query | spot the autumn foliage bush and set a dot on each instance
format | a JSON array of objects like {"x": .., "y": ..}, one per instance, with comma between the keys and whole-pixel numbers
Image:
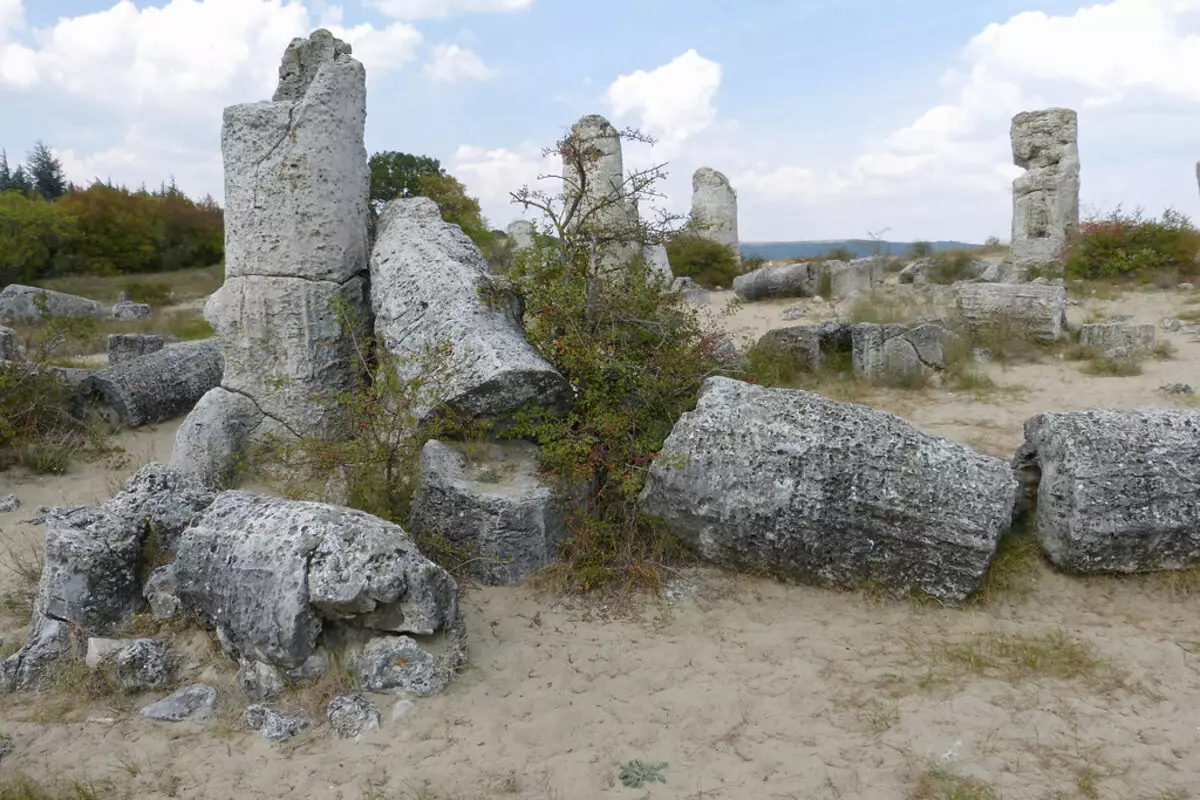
[{"x": 1129, "y": 245}]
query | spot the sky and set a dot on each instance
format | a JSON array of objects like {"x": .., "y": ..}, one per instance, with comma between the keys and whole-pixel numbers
[{"x": 832, "y": 118}]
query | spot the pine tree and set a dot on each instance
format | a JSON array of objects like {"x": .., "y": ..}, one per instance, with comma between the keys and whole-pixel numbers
[
  {"x": 20, "y": 181},
  {"x": 46, "y": 172},
  {"x": 5, "y": 174}
]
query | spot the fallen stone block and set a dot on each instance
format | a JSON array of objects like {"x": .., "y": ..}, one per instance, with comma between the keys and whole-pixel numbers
[
  {"x": 802, "y": 279},
  {"x": 851, "y": 278},
  {"x": 827, "y": 492},
  {"x": 496, "y": 509},
  {"x": 882, "y": 352},
  {"x": 431, "y": 286},
  {"x": 124, "y": 347},
  {"x": 1118, "y": 340},
  {"x": 812, "y": 346},
  {"x": 1036, "y": 312},
  {"x": 127, "y": 310},
  {"x": 153, "y": 388},
  {"x": 1116, "y": 490},
  {"x": 21, "y": 304}
]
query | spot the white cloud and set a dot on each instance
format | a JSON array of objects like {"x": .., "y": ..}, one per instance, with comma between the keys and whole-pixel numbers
[
  {"x": 491, "y": 174},
  {"x": 144, "y": 158},
  {"x": 452, "y": 63},
  {"x": 410, "y": 10},
  {"x": 673, "y": 102}
]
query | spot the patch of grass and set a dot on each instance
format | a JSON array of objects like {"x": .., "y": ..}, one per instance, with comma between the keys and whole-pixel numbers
[
  {"x": 951, "y": 267},
  {"x": 1013, "y": 569},
  {"x": 1112, "y": 367},
  {"x": 23, "y": 787},
  {"x": 47, "y": 457},
  {"x": 183, "y": 285},
  {"x": 1011, "y": 657},
  {"x": 25, "y": 565},
  {"x": 886, "y": 308},
  {"x": 938, "y": 783},
  {"x": 188, "y": 327},
  {"x": 1190, "y": 315},
  {"x": 1164, "y": 350},
  {"x": 636, "y": 773},
  {"x": 313, "y": 697}
]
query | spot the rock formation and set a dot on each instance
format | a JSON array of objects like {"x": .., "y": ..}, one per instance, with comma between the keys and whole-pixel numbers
[
  {"x": 432, "y": 286},
  {"x": 846, "y": 279},
  {"x": 1116, "y": 490},
  {"x": 521, "y": 232},
  {"x": 296, "y": 192},
  {"x": 594, "y": 175},
  {"x": 1032, "y": 311},
  {"x": 714, "y": 208},
  {"x": 9, "y": 344},
  {"x": 888, "y": 352},
  {"x": 21, "y": 304},
  {"x": 829, "y": 492},
  {"x": 783, "y": 280},
  {"x": 152, "y": 388},
  {"x": 1118, "y": 339},
  {"x": 124, "y": 347},
  {"x": 1046, "y": 197}
]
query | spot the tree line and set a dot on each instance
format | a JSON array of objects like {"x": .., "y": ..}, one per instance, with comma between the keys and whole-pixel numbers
[{"x": 49, "y": 226}]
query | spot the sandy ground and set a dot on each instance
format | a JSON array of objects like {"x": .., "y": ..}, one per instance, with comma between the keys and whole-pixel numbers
[{"x": 744, "y": 687}]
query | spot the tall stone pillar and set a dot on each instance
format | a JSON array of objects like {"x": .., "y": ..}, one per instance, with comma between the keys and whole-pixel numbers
[
  {"x": 1046, "y": 197},
  {"x": 714, "y": 208}
]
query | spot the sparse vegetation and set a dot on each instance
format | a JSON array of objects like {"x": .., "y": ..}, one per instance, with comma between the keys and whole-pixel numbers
[
  {"x": 1106, "y": 367},
  {"x": 938, "y": 783},
  {"x": 951, "y": 267},
  {"x": 1012, "y": 657},
  {"x": 1128, "y": 245},
  {"x": 709, "y": 263}
]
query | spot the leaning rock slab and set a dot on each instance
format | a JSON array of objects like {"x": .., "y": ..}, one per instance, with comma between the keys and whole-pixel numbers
[
  {"x": 1032, "y": 311},
  {"x": 20, "y": 304},
  {"x": 497, "y": 509},
  {"x": 1118, "y": 339},
  {"x": 266, "y": 572},
  {"x": 430, "y": 286},
  {"x": 153, "y": 388},
  {"x": 802, "y": 279},
  {"x": 1117, "y": 490},
  {"x": 829, "y": 492}
]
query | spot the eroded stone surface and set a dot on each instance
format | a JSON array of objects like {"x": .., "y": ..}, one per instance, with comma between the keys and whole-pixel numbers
[
  {"x": 1119, "y": 340},
  {"x": 21, "y": 304},
  {"x": 1046, "y": 196},
  {"x": 714, "y": 208},
  {"x": 124, "y": 347},
  {"x": 154, "y": 387},
  {"x": 802, "y": 279},
  {"x": 1032, "y": 311}
]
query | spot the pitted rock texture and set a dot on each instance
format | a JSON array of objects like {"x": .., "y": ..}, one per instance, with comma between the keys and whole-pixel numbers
[
  {"x": 432, "y": 286},
  {"x": 267, "y": 573},
  {"x": 208, "y": 443},
  {"x": 714, "y": 208},
  {"x": 1119, "y": 339},
  {"x": 154, "y": 387},
  {"x": 1046, "y": 197},
  {"x": 891, "y": 351},
  {"x": 827, "y": 492},
  {"x": 1032, "y": 311},
  {"x": 1116, "y": 490},
  {"x": 21, "y": 304},
  {"x": 124, "y": 347},
  {"x": 802, "y": 279}
]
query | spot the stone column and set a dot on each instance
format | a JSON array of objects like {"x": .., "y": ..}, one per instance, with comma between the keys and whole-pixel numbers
[
  {"x": 296, "y": 191},
  {"x": 714, "y": 208},
  {"x": 1046, "y": 197},
  {"x": 602, "y": 183}
]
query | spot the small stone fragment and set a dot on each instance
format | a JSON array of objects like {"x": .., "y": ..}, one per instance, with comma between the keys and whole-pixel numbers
[
  {"x": 9, "y": 504},
  {"x": 398, "y": 662},
  {"x": 272, "y": 724},
  {"x": 196, "y": 702},
  {"x": 351, "y": 715},
  {"x": 260, "y": 681}
]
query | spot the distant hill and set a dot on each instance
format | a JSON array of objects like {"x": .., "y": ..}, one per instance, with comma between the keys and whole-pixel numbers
[{"x": 778, "y": 251}]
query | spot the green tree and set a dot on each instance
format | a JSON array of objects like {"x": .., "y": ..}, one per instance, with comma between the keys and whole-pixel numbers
[
  {"x": 709, "y": 263},
  {"x": 46, "y": 172},
  {"x": 395, "y": 175},
  {"x": 5, "y": 172},
  {"x": 35, "y": 236},
  {"x": 20, "y": 182}
]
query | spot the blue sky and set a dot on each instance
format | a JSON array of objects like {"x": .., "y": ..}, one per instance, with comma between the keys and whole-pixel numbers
[{"x": 832, "y": 118}]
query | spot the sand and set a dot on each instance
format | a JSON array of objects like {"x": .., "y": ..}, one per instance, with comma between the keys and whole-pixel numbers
[{"x": 744, "y": 687}]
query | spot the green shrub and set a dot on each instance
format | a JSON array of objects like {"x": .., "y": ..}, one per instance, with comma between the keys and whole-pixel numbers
[
  {"x": 708, "y": 263},
  {"x": 951, "y": 267},
  {"x": 839, "y": 254},
  {"x": 152, "y": 293},
  {"x": 1128, "y": 245}
]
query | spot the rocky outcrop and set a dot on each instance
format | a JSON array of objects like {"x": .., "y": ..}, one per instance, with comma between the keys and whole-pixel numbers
[
  {"x": 1118, "y": 339},
  {"x": 848, "y": 279},
  {"x": 802, "y": 279},
  {"x": 496, "y": 509},
  {"x": 1046, "y": 196},
  {"x": 433, "y": 287},
  {"x": 1115, "y": 490},
  {"x": 269, "y": 574},
  {"x": 124, "y": 309},
  {"x": 26, "y": 304},
  {"x": 153, "y": 388},
  {"x": 714, "y": 208},
  {"x": 1031, "y": 311},
  {"x": 888, "y": 352},
  {"x": 810, "y": 347},
  {"x": 296, "y": 222},
  {"x": 124, "y": 347},
  {"x": 803, "y": 486}
]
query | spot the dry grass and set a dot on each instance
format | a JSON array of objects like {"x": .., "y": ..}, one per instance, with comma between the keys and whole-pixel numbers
[
  {"x": 25, "y": 565},
  {"x": 183, "y": 284},
  {"x": 1014, "y": 569},
  {"x": 939, "y": 783},
  {"x": 313, "y": 697},
  {"x": 20, "y": 786},
  {"x": 184, "y": 325},
  {"x": 1011, "y": 657},
  {"x": 1112, "y": 367}
]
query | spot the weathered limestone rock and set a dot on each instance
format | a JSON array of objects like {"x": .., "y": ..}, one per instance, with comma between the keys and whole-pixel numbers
[
  {"x": 161, "y": 593},
  {"x": 31, "y": 667},
  {"x": 1118, "y": 340},
  {"x": 134, "y": 665},
  {"x": 1116, "y": 490},
  {"x": 127, "y": 310},
  {"x": 124, "y": 347},
  {"x": 9, "y": 344},
  {"x": 655, "y": 256},
  {"x": 20, "y": 304},
  {"x": 273, "y": 725},
  {"x": 153, "y": 388},
  {"x": 714, "y": 208},
  {"x": 260, "y": 681},
  {"x": 266, "y": 573},
  {"x": 810, "y": 346},
  {"x": 160, "y": 501},
  {"x": 497, "y": 509},
  {"x": 302, "y": 60},
  {"x": 208, "y": 442},
  {"x": 432, "y": 286},
  {"x": 693, "y": 293},
  {"x": 850, "y": 278},
  {"x": 600, "y": 187},
  {"x": 352, "y": 715},
  {"x": 285, "y": 346},
  {"x": 829, "y": 492},
  {"x": 399, "y": 662},
  {"x": 9, "y": 503},
  {"x": 881, "y": 352},
  {"x": 1046, "y": 197},
  {"x": 196, "y": 702},
  {"x": 1022, "y": 309},
  {"x": 521, "y": 232},
  {"x": 802, "y": 279},
  {"x": 925, "y": 271}
]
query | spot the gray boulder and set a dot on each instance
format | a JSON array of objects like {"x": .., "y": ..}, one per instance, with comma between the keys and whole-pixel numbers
[
  {"x": 160, "y": 501},
  {"x": 9, "y": 344},
  {"x": 266, "y": 572},
  {"x": 811, "y": 347},
  {"x": 786, "y": 280},
  {"x": 196, "y": 702},
  {"x": 851, "y": 278},
  {"x": 693, "y": 293},
  {"x": 399, "y": 662},
  {"x": 153, "y": 388},
  {"x": 127, "y": 310},
  {"x": 9, "y": 503},
  {"x": 430, "y": 286},
  {"x": 32, "y": 667},
  {"x": 882, "y": 352},
  {"x": 827, "y": 492},
  {"x": 161, "y": 593},
  {"x": 124, "y": 347},
  {"x": 209, "y": 442},
  {"x": 273, "y": 725},
  {"x": 1116, "y": 490},
  {"x": 1118, "y": 340},
  {"x": 260, "y": 681},
  {"x": 352, "y": 715},
  {"x": 139, "y": 665},
  {"x": 1036, "y": 312},
  {"x": 497, "y": 509},
  {"x": 20, "y": 304}
]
